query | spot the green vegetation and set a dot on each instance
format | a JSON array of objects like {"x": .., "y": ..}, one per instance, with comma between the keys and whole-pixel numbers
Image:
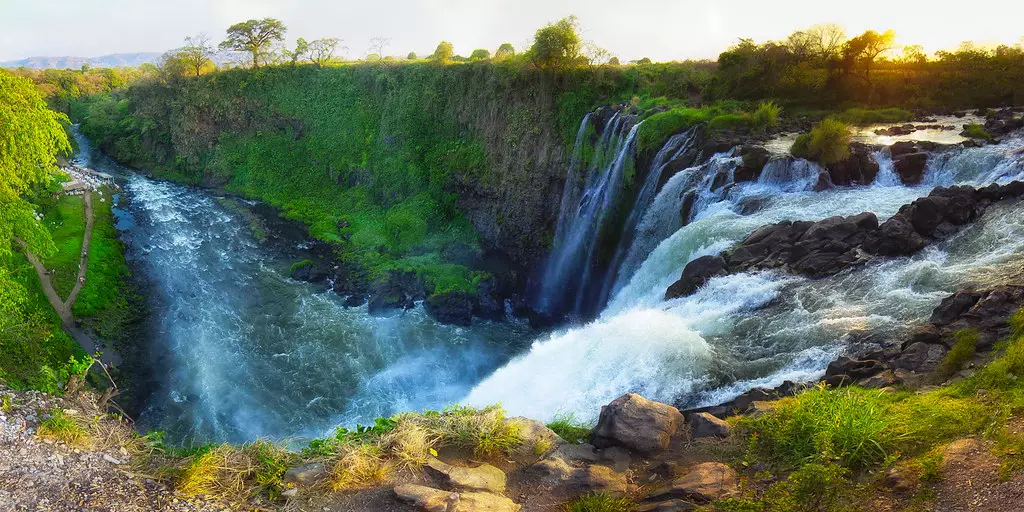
[
  {"x": 976, "y": 131},
  {"x": 862, "y": 116},
  {"x": 600, "y": 502},
  {"x": 963, "y": 350},
  {"x": 65, "y": 221},
  {"x": 828, "y": 142},
  {"x": 300, "y": 265},
  {"x": 570, "y": 429},
  {"x": 63, "y": 427}
]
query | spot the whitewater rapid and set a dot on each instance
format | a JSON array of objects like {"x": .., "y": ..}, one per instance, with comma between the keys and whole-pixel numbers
[{"x": 757, "y": 329}]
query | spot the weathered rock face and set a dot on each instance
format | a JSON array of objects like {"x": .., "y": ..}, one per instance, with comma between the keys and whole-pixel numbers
[
  {"x": 823, "y": 248},
  {"x": 453, "y": 307},
  {"x": 434, "y": 500},
  {"x": 702, "y": 483},
  {"x": 859, "y": 169},
  {"x": 397, "y": 290},
  {"x": 633, "y": 422},
  {"x": 484, "y": 477},
  {"x": 754, "y": 160},
  {"x": 706, "y": 425}
]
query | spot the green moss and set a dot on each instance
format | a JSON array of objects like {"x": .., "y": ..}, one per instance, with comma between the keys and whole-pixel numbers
[{"x": 299, "y": 265}]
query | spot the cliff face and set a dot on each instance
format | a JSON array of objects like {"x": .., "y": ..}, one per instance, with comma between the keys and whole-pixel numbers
[{"x": 390, "y": 161}]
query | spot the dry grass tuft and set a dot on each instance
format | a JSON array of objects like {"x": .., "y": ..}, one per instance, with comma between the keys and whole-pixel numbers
[
  {"x": 234, "y": 472},
  {"x": 64, "y": 427},
  {"x": 410, "y": 443},
  {"x": 360, "y": 465}
]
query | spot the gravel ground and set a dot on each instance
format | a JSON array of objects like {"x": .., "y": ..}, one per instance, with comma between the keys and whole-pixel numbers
[{"x": 45, "y": 474}]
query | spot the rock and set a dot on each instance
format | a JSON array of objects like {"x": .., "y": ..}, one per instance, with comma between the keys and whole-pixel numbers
[
  {"x": 895, "y": 237},
  {"x": 860, "y": 168},
  {"x": 952, "y": 307},
  {"x": 484, "y": 477},
  {"x": 666, "y": 506},
  {"x": 706, "y": 425},
  {"x": 597, "y": 479},
  {"x": 881, "y": 380},
  {"x": 921, "y": 357},
  {"x": 704, "y": 483},
  {"x": 910, "y": 167},
  {"x": 900, "y": 479},
  {"x": 453, "y": 307},
  {"x": 306, "y": 474},
  {"x": 434, "y": 500},
  {"x": 696, "y": 274},
  {"x": 754, "y": 158},
  {"x": 551, "y": 470},
  {"x": 847, "y": 370},
  {"x": 396, "y": 290},
  {"x": 538, "y": 440},
  {"x": 290, "y": 492},
  {"x": 577, "y": 452},
  {"x": 686, "y": 206},
  {"x": 636, "y": 423}
]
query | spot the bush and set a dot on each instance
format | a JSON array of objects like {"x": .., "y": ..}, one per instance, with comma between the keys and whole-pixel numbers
[
  {"x": 599, "y": 502},
  {"x": 813, "y": 488},
  {"x": 485, "y": 431},
  {"x": 828, "y": 142},
  {"x": 801, "y": 147},
  {"x": 976, "y": 131},
  {"x": 63, "y": 427},
  {"x": 570, "y": 429},
  {"x": 765, "y": 117}
]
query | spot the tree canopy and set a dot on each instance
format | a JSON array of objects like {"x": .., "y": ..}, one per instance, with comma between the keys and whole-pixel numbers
[
  {"x": 256, "y": 37},
  {"x": 31, "y": 136},
  {"x": 444, "y": 52},
  {"x": 557, "y": 45}
]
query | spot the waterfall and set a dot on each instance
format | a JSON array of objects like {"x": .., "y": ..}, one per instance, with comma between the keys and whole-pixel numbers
[
  {"x": 674, "y": 149},
  {"x": 757, "y": 328},
  {"x": 566, "y": 283},
  {"x": 887, "y": 176}
]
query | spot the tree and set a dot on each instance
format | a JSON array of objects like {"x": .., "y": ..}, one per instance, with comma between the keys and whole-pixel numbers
[
  {"x": 557, "y": 45},
  {"x": 322, "y": 50},
  {"x": 443, "y": 53},
  {"x": 614, "y": 61},
  {"x": 595, "y": 55},
  {"x": 377, "y": 46},
  {"x": 300, "y": 51},
  {"x": 173, "y": 64},
  {"x": 31, "y": 136},
  {"x": 827, "y": 40},
  {"x": 914, "y": 54},
  {"x": 864, "y": 49},
  {"x": 505, "y": 51},
  {"x": 411, "y": 56},
  {"x": 196, "y": 53},
  {"x": 256, "y": 37},
  {"x": 480, "y": 54}
]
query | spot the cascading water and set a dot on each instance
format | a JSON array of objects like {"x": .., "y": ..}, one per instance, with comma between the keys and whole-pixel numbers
[
  {"x": 241, "y": 351},
  {"x": 568, "y": 284},
  {"x": 757, "y": 329}
]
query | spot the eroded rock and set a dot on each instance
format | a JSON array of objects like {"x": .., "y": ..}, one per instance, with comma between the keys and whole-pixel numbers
[
  {"x": 636, "y": 423},
  {"x": 706, "y": 425},
  {"x": 704, "y": 483}
]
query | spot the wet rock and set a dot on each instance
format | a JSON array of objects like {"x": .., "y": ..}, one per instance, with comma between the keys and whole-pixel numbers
[
  {"x": 910, "y": 167},
  {"x": 703, "y": 483},
  {"x": 306, "y": 474},
  {"x": 453, "y": 307},
  {"x": 754, "y": 158},
  {"x": 921, "y": 357},
  {"x": 706, "y": 425},
  {"x": 696, "y": 274},
  {"x": 396, "y": 290},
  {"x": 895, "y": 237},
  {"x": 633, "y": 422},
  {"x": 953, "y": 307},
  {"x": 852, "y": 369},
  {"x": 860, "y": 168},
  {"x": 686, "y": 206},
  {"x": 484, "y": 477}
]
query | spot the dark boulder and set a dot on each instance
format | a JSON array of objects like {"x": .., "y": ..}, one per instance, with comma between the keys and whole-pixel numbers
[
  {"x": 860, "y": 168},
  {"x": 396, "y": 290},
  {"x": 754, "y": 160},
  {"x": 454, "y": 307},
  {"x": 846, "y": 370},
  {"x": 696, "y": 274},
  {"x": 921, "y": 357},
  {"x": 910, "y": 167},
  {"x": 895, "y": 237},
  {"x": 952, "y": 307}
]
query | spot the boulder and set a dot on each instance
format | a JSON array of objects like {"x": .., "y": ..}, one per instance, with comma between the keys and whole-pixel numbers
[
  {"x": 954, "y": 306},
  {"x": 305, "y": 474},
  {"x": 434, "y": 500},
  {"x": 754, "y": 158},
  {"x": 880, "y": 380},
  {"x": 703, "y": 483},
  {"x": 396, "y": 290},
  {"x": 895, "y": 237},
  {"x": 484, "y": 477},
  {"x": 921, "y": 357},
  {"x": 597, "y": 479},
  {"x": 633, "y": 422},
  {"x": 853, "y": 369},
  {"x": 706, "y": 425},
  {"x": 696, "y": 274},
  {"x": 551, "y": 470},
  {"x": 910, "y": 167},
  {"x": 538, "y": 440},
  {"x": 860, "y": 168},
  {"x": 453, "y": 307}
]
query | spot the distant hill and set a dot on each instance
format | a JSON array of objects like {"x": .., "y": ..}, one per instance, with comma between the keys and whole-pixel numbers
[{"x": 115, "y": 60}]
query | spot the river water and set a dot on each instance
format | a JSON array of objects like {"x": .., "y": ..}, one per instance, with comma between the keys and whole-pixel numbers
[{"x": 243, "y": 351}]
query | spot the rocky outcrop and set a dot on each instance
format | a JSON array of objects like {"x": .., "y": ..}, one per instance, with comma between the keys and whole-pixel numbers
[
  {"x": 484, "y": 477},
  {"x": 396, "y": 290},
  {"x": 860, "y": 168},
  {"x": 434, "y": 500},
  {"x": 703, "y": 483},
  {"x": 706, "y": 425},
  {"x": 633, "y": 422},
  {"x": 825, "y": 247},
  {"x": 453, "y": 307}
]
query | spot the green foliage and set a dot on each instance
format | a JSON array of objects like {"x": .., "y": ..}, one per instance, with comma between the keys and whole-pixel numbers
[
  {"x": 765, "y": 117},
  {"x": 801, "y": 147},
  {"x": 963, "y": 350},
  {"x": 570, "y": 429},
  {"x": 443, "y": 53},
  {"x": 255, "y": 37},
  {"x": 862, "y": 116},
  {"x": 480, "y": 54},
  {"x": 299, "y": 265},
  {"x": 815, "y": 487},
  {"x": 828, "y": 142},
  {"x": 505, "y": 51},
  {"x": 659, "y": 127},
  {"x": 484, "y": 431},
  {"x": 976, "y": 131},
  {"x": 63, "y": 427},
  {"x": 558, "y": 45},
  {"x": 931, "y": 467},
  {"x": 599, "y": 502}
]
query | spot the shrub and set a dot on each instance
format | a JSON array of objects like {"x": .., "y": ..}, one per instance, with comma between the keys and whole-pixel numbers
[
  {"x": 963, "y": 350},
  {"x": 829, "y": 142},
  {"x": 976, "y": 131},
  {"x": 570, "y": 429},
  {"x": 765, "y": 117},
  {"x": 813, "y": 488},
  {"x": 361, "y": 465},
  {"x": 63, "y": 427},
  {"x": 485, "y": 431},
  {"x": 801, "y": 147},
  {"x": 599, "y": 502},
  {"x": 299, "y": 265}
]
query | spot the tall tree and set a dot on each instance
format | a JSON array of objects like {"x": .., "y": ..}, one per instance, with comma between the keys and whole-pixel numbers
[
  {"x": 31, "y": 136},
  {"x": 863, "y": 50},
  {"x": 480, "y": 54},
  {"x": 300, "y": 51},
  {"x": 322, "y": 50},
  {"x": 256, "y": 37},
  {"x": 196, "y": 53},
  {"x": 443, "y": 53},
  {"x": 505, "y": 51},
  {"x": 558, "y": 44},
  {"x": 827, "y": 39},
  {"x": 377, "y": 46}
]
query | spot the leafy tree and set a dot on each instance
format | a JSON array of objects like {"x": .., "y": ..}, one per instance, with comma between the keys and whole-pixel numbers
[
  {"x": 643, "y": 61},
  {"x": 196, "y": 53},
  {"x": 826, "y": 40},
  {"x": 614, "y": 61},
  {"x": 322, "y": 50},
  {"x": 411, "y": 56},
  {"x": 301, "y": 50},
  {"x": 862, "y": 51},
  {"x": 31, "y": 135},
  {"x": 557, "y": 45},
  {"x": 505, "y": 51},
  {"x": 443, "y": 53},
  {"x": 480, "y": 54},
  {"x": 256, "y": 37},
  {"x": 595, "y": 55}
]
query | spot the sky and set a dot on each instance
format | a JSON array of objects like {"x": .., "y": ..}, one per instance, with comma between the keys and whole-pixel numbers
[{"x": 660, "y": 29}]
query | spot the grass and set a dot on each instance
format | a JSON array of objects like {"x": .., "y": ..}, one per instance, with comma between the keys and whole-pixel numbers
[
  {"x": 484, "y": 431},
  {"x": 299, "y": 265},
  {"x": 233, "y": 472},
  {"x": 976, "y": 131},
  {"x": 599, "y": 502},
  {"x": 102, "y": 294},
  {"x": 570, "y": 429},
  {"x": 862, "y": 116},
  {"x": 5, "y": 403},
  {"x": 963, "y": 350},
  {"x": 64, "y": 427},
  {"x": 65, "y": 221},
  {"x": 360, "y": 466},
  {"x": 827, "y": 143}
]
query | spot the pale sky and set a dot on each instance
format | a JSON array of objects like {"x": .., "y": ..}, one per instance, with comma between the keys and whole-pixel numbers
[{"x": 660, "y": 29}]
